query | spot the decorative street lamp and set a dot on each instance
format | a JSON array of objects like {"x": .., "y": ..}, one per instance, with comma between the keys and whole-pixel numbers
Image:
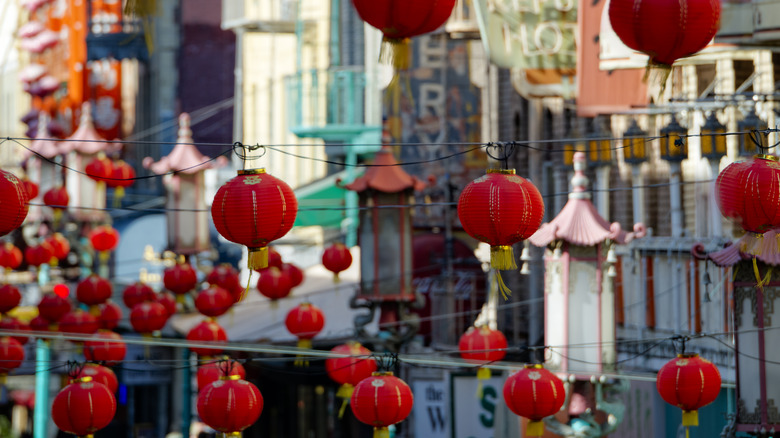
[
  {"x": 674, "y": 149},
  {"x": 751, "y": 122},
  {"x": 635, "y": 153},
  {"x": 713, "y": 148}
]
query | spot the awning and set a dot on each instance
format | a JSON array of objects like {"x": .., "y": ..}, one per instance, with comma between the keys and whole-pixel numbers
[{"x": 321, "y": 203}]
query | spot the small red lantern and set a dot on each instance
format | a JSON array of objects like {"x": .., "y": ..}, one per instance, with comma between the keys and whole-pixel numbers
[
  {"x": 180, "y": 278},
  {"x": 40, "y": 324},
  {"x": 137, "y": 293},
  {"x": 665, "y": 31},
  {"x": 59, "y": 245},
  {"x": 110, "y": 315},
  {"x": 57, "y": 198},
  {"x": 10, "y": 256},
  {"x": 305, "y": 321},
  {"x": 122, "y": 176},
  {"x": 337, "y": 258},
  {"x": 79, "y": 322},
  {"x": 353, "y": 364},
  {"x": 253, "y": 209},
  {"x": 10, "y": 297},
  {"x": 690, "y": 383},
  {"x": 381, "y": 400},
  {"x": 94, "y": 290},
  {"x": 749, "y": 193},
  {"x": 104, "y": 239},
  {"x": 83, "y": 407},
  {"x": 213, "y": 301},
  {"x": 105, "y": 346},
  {"x": 226, "y": 277},
  {"x": 168, "y": 301},
  {"x": 482, "y": 345},
  {"x": 38, "y": 255},
  {"x": 99, "y": 169},
  {"x": 148, "y": 317},
  {"x": 534, "y": 393},
  {"x": 274, "y": 283},
  {"x": 11, "y": 356},
  {"x": 230, "y": 405},
  {"x": 274, "y": 258},
  {"x": 53, "y": 307},
  {"x": 294, "y": 273},
  {"x": 14, "y": 199},
  {"x": 213, "y": 371},
  {"x": 207, "y": 331},
  {"x": 100, "y": 374},
  {"x": 31, "y": 188},
  {"x": 15, "y": 325}
]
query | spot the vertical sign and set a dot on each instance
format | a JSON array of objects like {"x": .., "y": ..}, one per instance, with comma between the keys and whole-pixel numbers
[
  {"x": 431, "y": 409},
  {"x": 474, "y": 411}
]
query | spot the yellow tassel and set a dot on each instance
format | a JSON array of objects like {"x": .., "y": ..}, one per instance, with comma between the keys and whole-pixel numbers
[
  {"x": 300, "y": 360},
  {"x": 505, "y": 291},
  {"x": 535, "y": 428},
  {"x": 103, "y": 256},
  {"x": 119, "y": 193},
  {"x": 483, "y": 373},
  {"x": 336, "y": 279},
  {"x": 57, "y": 217},
  {"x": 94, "y": 310},
  {"x": 381, "y": 432},
  {"x": 690, "y": 418},
  {"x": 258, "y": 258},
  {"x": 345, "y": 391},
  {"x": 246, "y": 291},
  {"x": 396, "y": 52},
  {"x": 502, "y": 257}
]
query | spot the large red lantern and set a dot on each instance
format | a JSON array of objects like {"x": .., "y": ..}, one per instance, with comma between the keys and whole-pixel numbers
[
  {"x": 15, "y": 325},
  {"x": 336, "y": 258},
  {"x": 37, "y": 255},
  {"x": 100, "y": 374},
  {"x": 137, "y": 293},
  {"x": 105, "y": 346},
  {"x": 59, "y": 245},
  {"x": 381, "y": 400},
  {"x": 213, "y": 371},
  {"x": 94, "y": 290},
  {"x": 99, "y": 169},
  {"x": 230, "y": 405},
  {"x": 305, "y": 321},
  {"x": 57, "y": 198},
  {"x": 482, "y": 345},
  {"x": 110, "y": 315},
  {"x": 180, "y": 278},
  {"x": 689, "y": 382},
  {"x": 79, "y": 322},
  {"x": 83, "y": 407},
  {"x": 207, "y": 331},
  {"x": 53, "y": 307},
  {"x": 226, "y": 277},
  {"x": 274, "y": 283},
  {"x": 14, "y": 199},
  {"x": 148, "y": 317},
  {"x": 10, "y": 297},
  {"x": 749, "y": 193},
  {"x": 10, "y": 256},
  {"x": 253, "y": 209},
  {"x": 353, "y": 364},
  {"x": 11, "y": 356},
  {"x": 665, "y": 30},
  {"x": 213, "y": 301},
  {"x": 534, "y": 393}
]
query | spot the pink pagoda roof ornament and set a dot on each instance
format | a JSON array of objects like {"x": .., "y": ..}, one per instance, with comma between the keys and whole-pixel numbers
[
  {"x": 579, "y": 222},
  {"x": 85, "y": 139},
  {"x": 43, "y": 144},
  {"x": 764, "y": 247},
  {"x": 385, "y": 175},
  {"x": 185, "y": 157}
]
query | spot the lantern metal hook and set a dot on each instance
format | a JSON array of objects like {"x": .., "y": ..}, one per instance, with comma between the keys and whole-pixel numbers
[
  {"x": 243, "y": 151},
  {"x": 504, "y": 151},
  {"x": 756, "y": 139},
  {"x": 74, "y": 369}
]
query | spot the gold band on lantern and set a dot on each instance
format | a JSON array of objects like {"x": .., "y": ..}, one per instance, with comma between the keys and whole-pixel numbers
[
  {"x": 230, "y": 377},
  {"x": 382, "y": 373},
  {"x": 502, "y": 257},
  {"x": 502, "y": 171},
  {"x": 258, "y": 258},
  {"x": 252, "y": 171},
  {"x": 767, "y": 157}
]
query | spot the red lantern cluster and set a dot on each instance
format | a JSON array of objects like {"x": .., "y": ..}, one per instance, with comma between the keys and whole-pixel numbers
[
  {"x": 482, "y": 345},
  {"x": 37, "y": 255},
  {"x": 380, "y": 401},
  {"x": 336, "y": 258},
  {"x": 83, "y": 407},
  {"x": 207, "y": 331},
  {"x": 14, "y": 199},
  {"x": 230, "y": 405},
  {"x": 690, "y": 383},
  {"x": 534, "y": 393},
  {"x": 105, "y": 346},
  {"x": 749, "y": 193},
  {"x": 305, "y": 321},
  {"x": 10, "y": 256},
  {"x": 253, "y": 209},
  {"x": 53, "y": 307}
]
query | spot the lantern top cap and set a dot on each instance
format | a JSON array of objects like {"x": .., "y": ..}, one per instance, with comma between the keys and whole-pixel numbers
[
  {"x": 382, "y": 373},
  {"x": 502, "y": 171},
  {"x": 767, "y": 157},
  {"x": 385, "y": 175},
  {"x": 252, "y": 171},
  {"x": 687, "y": 355},
  {"x": 533, "y": 366},
  {"x": 230, "y": 377}
]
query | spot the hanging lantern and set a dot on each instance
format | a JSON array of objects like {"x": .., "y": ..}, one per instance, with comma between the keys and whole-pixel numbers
[
  {"x": 336, "y": 258},
  {"x": 60, "y": 247},
  {"x": 253, "y": 209},
  {"x": 137, "y": 293},
  {"x": 79, "y": 322},
  {"x": 226, "y": 277},
  {"x": 482, "y": 345},
  {"x": 104, "y": 239},
  {"x": 274, "y": 283},
  {"x": 38, "y": 255},
  {"x": 353, "y": 364},
  {"x": 665, "y": 31},
  {"x": 94, "y": 290},
  {"x": 534, "y": 393},
  {"x": 31, "y": 188},
  {"x": 180, "y": 279},
  {"x": 749, "y": 193},
  {"x": 305, "y": 321},
  {"x": 230, "y": 405},
  {"x": 57, "y": 198},
  {"x": 100, "y": 169},
  {"x": 689, "y": 382},
  {"x": 274, "y": 258},
  {"x": 12, "y": 324},
  {"x": 10, "y": 256},
  {"x": 122, "y": 176},
  {"x": 100, "y": 374},
  {"x": 11, "y": 356},
  {"x": 207, "y": 331},
  {"x": 40, "y": 324},
  {"x": 53, "y": 307},
  {"x": 10, "y": 297},
  {"x": 294, "y": 273},
  {"x": 83, "y": 407},
  {"x": 213, "y": 371},
  {"x": 14, "y": 199},
  {"x": 110, "y": 315},
  {"x": 148, "y": 317},
  {"x": 105, "y": 346},
  {"x": 213, "y": 301},
  {"x": 168, "y": 301},
  {"x": 380, "y": 401}
]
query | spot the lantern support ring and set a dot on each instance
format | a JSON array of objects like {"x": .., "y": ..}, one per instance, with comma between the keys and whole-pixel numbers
[
  {"x": 504, "y": 151},
  {"x": 243, "y": 151}
]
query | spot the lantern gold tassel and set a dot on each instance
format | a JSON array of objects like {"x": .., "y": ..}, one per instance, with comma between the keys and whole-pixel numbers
[
  {"x": 535, "y": 428},
  {"x": 659, "y": 72},
  {"x": 396, "y": 52},
  {"x": 505, "y": 291},
  {"x": 119, "y": 193},
  {"x": 300, "y": 360},
  {"x": 482, "y": 375},
  {"x": 381, "y": 432},
  {"x": 246, "y": 290},
  {"x": 258, "y": 258},
  {"x": 502, "y": 257},
  {"x": 690, "y": 418},
  {"x": 345, "y": 391}
]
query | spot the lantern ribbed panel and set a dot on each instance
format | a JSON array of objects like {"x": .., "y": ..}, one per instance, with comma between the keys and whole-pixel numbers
[
  {"x": 534, "y": 393},
  {"x": 14, "y": 199},
  {"x": 148, "y": 317},
  {"x": 180, "y": 278},
  {"x": 11, "y": 354},
  {"x": 749, "y": 193},
  {"x": 404, "y": 18},
  {"x": 381, "y": 400},
  {"x": 305, "y": 321},
  {"x": 53, "y": 307},
  {"x": 105, "y": 346},
  {"x": 207, "y": 331},
  {"x": 482, "y": 338},
  {"x": 10, "y": 297},
  {"x": 230, "y": 406},
  {"x": 78, "y": 321},
  {"x": 212, "y": 371},
  {"x": 137, "y": 293},
  {"x": 93, "y": 290},
  {"x": 274, "y": 283},
  {"x": 665, "y": 30},
  {"x": 213, "y": 301},
  {"x": 82, "y": 408},
  {"x": 350, "y": 370},
  {"x": 100, "y": 374},
  {"x": 688, "y": 382}
]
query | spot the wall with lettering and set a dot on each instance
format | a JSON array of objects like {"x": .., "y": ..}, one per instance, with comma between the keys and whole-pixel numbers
[{"x": 431, "y": 408}]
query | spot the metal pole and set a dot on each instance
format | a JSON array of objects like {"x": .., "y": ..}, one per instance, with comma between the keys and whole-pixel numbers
[
  {"x": 716, "y": 228},
  {"x": 674, "y": 199},
  {"x": 350, "y": 196},
  {"x": 41, "y": 410}
]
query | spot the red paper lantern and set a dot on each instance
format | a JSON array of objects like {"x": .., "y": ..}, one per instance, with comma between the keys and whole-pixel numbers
[
  {"x": 274, "y": 258},
  {"x": 31, "y": 188},
  {"x": 100, "y": 374},
  {"x": 10, "y": 256},
  {"x": 10, "y": 297},
  {"x": 122, "y": 176},
  {"x": 253, "y": 209},
  {"x": 57, "y": 198},
  {"x": 349, "y": 370},
  {"x": 749, "y": 193},
  {"x": 53, "y": 307},
  {"x": 230, "y": 405},
  {"x": 294, "y": 273},
  {"x": 99, "y": 168},
  {"x": 110, "y": 315},
  {"x": 15, "y": 325},
  {"x": 94, "y": 290},
  {"x": 180, "y": 278},
  {"x": 534, "y": 393},
  {"x": 381, "y": 400},
  {"x": 665, "y": 30},
  {"x": 105, "y": 346},
  {"x": 337, "y": 258},
  {"x": 137, "y": 293},
  {"x": 400, "y": 19},
  {"x": 226, "y": 277},
  {"x": 501, "y": 209},
  {"x": 482, "y": 345},
  {"x": 104, "y": 239},
  {"x": 148, "y": 317},
  {"x": 168, "y": 301},
  {"x": 274, "y": 283},
  {"x": 14, "y": 199},
  {"x": 213, "y": 301},
  {"x": 79, "y": 322},
  {"x": 207, "y": 331},
  {"x": 689, "y": 382},
  {"x": 213, "y": 371},
  {"x": 83, "y": 407},
  {"x": 38, "y": 255},
  {"x": 59, "y": 245},
  {"x": 11, "y": 355},
  {"x": 305, "y": 321}
]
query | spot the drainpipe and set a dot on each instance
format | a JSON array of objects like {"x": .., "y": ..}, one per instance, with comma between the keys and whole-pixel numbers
[
  {"x": 716, "y": 228},
  {"x": 41, "y": 410},
  {"x": 674, "y": 199},
  {"x": 638, "y": 193},
  {"x": 238, "y": 91}
]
